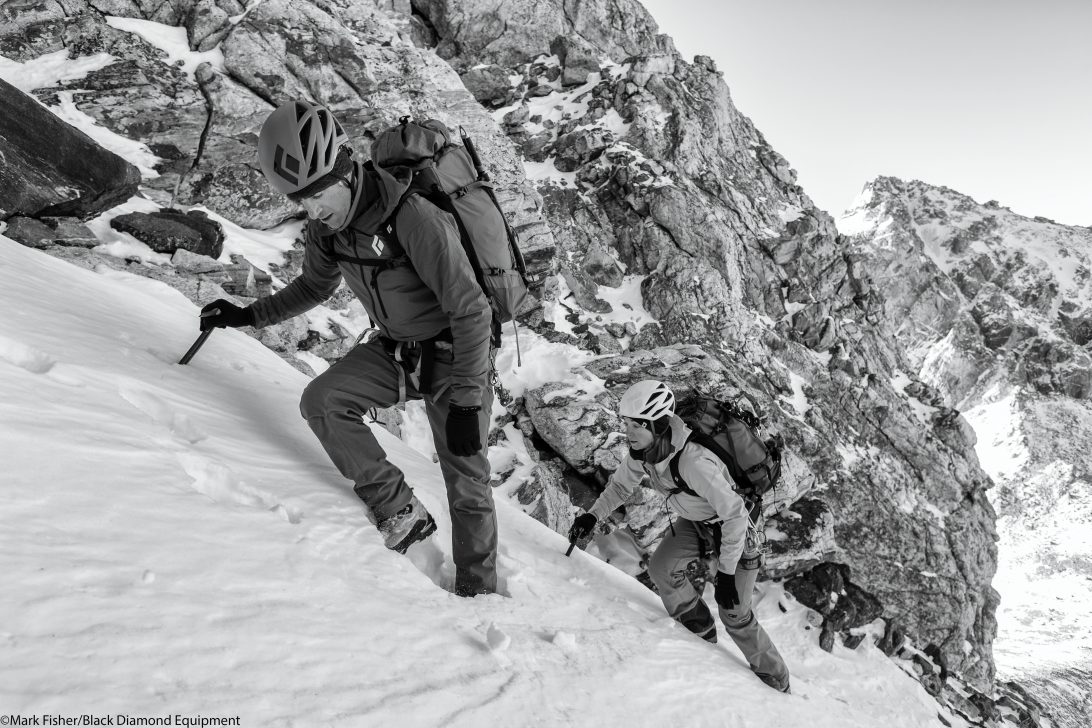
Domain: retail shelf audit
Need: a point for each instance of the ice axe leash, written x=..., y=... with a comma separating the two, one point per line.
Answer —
x=200, y=339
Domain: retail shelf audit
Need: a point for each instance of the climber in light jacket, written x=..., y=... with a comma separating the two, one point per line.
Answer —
x=712, y=530
x=432, y=343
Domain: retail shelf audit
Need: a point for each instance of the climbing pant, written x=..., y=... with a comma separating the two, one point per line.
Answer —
x=686, y=542
x=334, y=405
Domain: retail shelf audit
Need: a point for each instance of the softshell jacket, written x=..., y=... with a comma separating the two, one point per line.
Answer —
x=432, y=289
x=704, y=473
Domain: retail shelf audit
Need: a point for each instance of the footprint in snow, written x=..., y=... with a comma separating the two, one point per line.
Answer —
x=161, y=413
x=25, y=357
x=497, y=639
x=218, y=482
x=566, y=641
x=429, y=558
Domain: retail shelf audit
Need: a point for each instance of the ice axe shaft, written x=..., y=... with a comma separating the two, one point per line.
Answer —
x=200, y=339
x=572, y=545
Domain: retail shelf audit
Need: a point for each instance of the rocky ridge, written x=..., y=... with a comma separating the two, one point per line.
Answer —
x=618, y=161
x=647, y=169
x=995, y=311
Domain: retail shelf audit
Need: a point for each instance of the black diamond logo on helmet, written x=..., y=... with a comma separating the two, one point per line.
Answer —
x=286, y=165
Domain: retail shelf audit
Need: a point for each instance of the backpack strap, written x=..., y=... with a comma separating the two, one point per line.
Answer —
x=440, y=199
x=740, y=485
x=676, y=476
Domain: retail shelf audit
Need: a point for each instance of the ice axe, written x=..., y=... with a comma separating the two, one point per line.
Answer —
x=200, y=339
x=574, y=542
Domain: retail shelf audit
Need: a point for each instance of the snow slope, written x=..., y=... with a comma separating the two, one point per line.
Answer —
x=175, y=541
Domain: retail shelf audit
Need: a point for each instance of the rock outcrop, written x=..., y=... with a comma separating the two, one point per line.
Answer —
x=993, y=310
x=647, y=169
x=51, y=169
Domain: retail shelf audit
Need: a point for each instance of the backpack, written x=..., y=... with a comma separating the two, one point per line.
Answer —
x=451, y=177
x=730, y=433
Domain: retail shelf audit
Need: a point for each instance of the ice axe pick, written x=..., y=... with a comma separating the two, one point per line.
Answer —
x=200, y=339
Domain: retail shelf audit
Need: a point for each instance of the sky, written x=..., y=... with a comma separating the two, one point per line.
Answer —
x=990, y=98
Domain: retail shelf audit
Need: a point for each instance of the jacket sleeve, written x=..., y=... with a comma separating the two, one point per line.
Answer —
x=436, y=252
x=620, y=487
x=317, y=281
x=708, y=477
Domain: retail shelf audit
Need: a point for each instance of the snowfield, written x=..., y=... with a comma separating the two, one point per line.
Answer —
x=175, y=541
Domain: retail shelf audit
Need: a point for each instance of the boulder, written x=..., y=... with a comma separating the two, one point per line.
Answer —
x=543, y=496
x=53, y=169
x=578, y=59
x=195, y=263
x=585, y=433
x=31, y=29
x=581, y=146
x=489, y=84
x=49, y=231
x=169, y=229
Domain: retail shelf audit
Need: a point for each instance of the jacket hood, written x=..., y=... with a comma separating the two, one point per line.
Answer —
x=676, y=435
x=679, y=433
x=376, y=194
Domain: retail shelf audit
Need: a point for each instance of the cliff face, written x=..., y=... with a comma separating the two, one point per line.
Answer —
x=649, y=170
x=995, y=312
x=619, y=163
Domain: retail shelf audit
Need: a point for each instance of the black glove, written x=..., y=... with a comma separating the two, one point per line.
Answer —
x=582, y=527
x=221, y=313
x=725, y=592
x=463, y=437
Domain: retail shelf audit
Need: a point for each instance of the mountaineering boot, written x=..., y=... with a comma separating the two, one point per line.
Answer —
x=470, y=591
x=774, y=683
x=406, y=527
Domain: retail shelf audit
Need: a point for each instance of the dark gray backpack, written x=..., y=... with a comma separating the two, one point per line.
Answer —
x=730, y=433
x=451, y=176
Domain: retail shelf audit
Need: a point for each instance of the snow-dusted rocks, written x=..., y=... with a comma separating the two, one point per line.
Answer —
x=52, y=169
x=470, y=32
x=200, y=119
x=827, y=589
x=579, y=429
x=992, y=308
x=977, y=289
x=49, y=231
x=647, y=165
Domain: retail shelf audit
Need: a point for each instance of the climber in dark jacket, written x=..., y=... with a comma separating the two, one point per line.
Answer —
x=433, y=323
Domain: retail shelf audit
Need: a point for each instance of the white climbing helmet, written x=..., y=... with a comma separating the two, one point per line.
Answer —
x=648, y=400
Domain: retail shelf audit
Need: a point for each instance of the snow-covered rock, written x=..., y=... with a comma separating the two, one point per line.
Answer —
x=992, y=308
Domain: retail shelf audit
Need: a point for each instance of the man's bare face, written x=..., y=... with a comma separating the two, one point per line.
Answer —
x=331, y=205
